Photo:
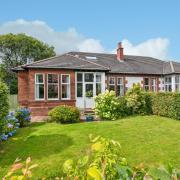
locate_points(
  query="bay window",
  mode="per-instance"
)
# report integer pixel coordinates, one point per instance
(52, 87)
(65, 86)
(39, 86)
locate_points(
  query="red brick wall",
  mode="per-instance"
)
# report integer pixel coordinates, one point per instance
(26, 92)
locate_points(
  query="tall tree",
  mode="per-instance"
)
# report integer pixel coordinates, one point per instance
(18, 49)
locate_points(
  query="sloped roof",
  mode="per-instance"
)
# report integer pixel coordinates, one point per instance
(107, 62)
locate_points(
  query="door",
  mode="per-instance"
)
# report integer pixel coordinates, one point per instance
(88, 85)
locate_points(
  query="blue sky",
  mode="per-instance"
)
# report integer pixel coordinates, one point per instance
(105, 22)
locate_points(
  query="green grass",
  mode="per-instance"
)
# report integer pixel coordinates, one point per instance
(149, 139)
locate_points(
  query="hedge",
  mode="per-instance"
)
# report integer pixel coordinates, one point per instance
(4, 101)
(166, 104)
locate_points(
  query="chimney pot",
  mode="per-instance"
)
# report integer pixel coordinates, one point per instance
(120, 52)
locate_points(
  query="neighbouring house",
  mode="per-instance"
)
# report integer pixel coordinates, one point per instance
(74, 78)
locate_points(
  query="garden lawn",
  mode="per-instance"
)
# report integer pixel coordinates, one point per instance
(148, 139)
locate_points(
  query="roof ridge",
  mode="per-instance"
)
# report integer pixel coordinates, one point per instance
(88, 61)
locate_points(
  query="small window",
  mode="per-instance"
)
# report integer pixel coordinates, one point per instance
(168, 84)
(39, 86)
(120, 87)
(65, 86)
(177, 83)
(153, 84)
(146, 84)
(53, 87)
(89, 77)
(112, 84)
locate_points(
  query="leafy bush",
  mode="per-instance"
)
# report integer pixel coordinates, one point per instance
(138, 100)
(4, 101)
(23, 116)
(9, 125)
(65, 114)
(103, 160)
(166, 104)
(110, 107)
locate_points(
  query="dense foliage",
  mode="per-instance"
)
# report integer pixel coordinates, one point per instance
(4, 101)
(18, 49)
(138, 100)
(110, 107)
(23, 115)
(65, 114)
(8, 127)
(166, 104)
(103, 160)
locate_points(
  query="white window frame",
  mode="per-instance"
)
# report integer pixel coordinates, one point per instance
(37, 83)
(177, 83)
(96, 82)
(112, 84)
(153, 86)
(66, 84)
(53, 84)
(120, 85)
(167, 83)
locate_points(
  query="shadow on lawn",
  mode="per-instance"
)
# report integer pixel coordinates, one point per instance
(35, 146)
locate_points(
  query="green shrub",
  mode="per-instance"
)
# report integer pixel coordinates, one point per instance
(23, 115)
(166, 104)
(138, 100)
(4, 101)
(65, 114)
(110, 107)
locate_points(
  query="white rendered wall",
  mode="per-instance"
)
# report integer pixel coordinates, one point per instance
(133, 80)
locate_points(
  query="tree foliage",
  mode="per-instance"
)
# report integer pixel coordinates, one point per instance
(18, 49)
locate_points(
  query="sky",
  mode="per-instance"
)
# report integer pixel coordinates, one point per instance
(145, 27)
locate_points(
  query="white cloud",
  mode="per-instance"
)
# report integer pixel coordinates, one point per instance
(62, 41)
(157, 48)
(71, 40)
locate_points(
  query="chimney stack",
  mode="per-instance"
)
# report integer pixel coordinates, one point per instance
(120, 53)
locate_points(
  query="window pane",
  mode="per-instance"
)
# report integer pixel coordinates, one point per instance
(98, 78)
(39, 78)
(112, 80)
(39, 91)
(111, 88)
(120, 81)
(52, 91)
(177, 87)
(98, 88)
(146, 81)
(177, 79)
(65, 91)
(89, 77)
(79, 89)
(89, 90)
(120, 90)
(65, 78)
(52, 78)
(79, 77)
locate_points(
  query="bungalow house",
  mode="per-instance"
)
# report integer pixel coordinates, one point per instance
(74, 78)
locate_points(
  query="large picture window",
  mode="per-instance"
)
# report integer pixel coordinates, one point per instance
(168, 84)
(39, 86)
(53, 87)
(65, 86)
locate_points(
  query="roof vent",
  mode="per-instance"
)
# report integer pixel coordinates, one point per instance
(91, 57)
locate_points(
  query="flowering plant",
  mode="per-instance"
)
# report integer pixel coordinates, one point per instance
(23, 115)
(8, 126)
